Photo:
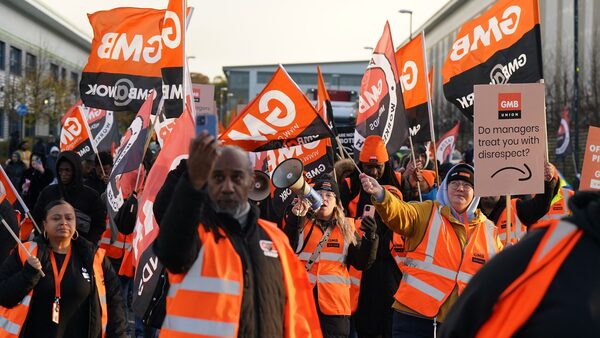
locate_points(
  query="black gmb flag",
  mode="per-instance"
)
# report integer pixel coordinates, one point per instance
(501, 46)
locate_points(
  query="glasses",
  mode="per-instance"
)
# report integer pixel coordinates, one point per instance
(327, 194)
(456, 184)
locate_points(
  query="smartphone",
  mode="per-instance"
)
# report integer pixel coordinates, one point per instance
(208, 123)
(368, 211)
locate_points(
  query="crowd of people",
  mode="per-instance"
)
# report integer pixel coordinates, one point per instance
(400, 247)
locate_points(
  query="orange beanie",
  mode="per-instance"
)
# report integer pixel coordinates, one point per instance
(373, 150)
(429, 177)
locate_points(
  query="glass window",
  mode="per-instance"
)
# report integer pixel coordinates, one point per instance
(30, 63)
(264, 77)
(350, 80)
(16, 61)
(54, 71)
(2, 55)
(304, 78)
(63, 74)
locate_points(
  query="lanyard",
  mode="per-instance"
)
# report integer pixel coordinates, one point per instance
(59, 276)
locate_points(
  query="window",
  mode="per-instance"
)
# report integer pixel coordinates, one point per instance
(2, 55)
(30, 63)
(63, 74)
(16, 62)
(74, 78)
(54, 71)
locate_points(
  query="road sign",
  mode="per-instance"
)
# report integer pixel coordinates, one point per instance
(590, 172)
(22, 110)
(510, 139)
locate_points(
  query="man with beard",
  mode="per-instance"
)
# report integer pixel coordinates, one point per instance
(231, 273)
(524, 212)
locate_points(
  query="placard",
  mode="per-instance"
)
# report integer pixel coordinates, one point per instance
(590, 172)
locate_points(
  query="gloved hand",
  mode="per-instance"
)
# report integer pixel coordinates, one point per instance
(368, 227)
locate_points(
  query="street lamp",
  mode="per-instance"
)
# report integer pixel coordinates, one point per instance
(222, 92)
(407, 11)
(368, 48)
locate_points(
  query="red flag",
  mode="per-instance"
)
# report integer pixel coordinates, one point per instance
(380, 104)
(176, 147)
(75, 133)
(130, 155)
(11, 193)
(173, 57)
(124, 63)
(104, 128)
(445, 145)
(563, 135)
(281, 115)
(323, 99)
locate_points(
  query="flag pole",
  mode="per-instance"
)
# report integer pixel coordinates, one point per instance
(23, 205)
(18, 240)
(430, 109)
(412, 151)
(508, 218)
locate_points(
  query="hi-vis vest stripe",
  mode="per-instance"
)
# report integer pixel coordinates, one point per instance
(528, 290)
(12, 320)
(438, 264)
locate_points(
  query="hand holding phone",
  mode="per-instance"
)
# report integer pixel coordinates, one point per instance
(368, 211)
(208, 123)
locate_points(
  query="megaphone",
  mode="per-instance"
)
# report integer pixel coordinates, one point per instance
(260, 190)
(289, 174)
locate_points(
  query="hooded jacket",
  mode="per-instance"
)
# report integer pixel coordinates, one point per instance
(81, 197)
(412, 219)
(570, 307)
(37, 181)
(16, 281)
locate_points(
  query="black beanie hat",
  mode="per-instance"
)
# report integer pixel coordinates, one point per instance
(463, 172)
(327, 183)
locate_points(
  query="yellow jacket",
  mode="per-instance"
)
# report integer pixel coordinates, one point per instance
(411, 220)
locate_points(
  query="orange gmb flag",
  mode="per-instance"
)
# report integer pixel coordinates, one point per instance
(173, 56)
(9, 190)
(281, 115)
(75, 133)
(124, 63)
(411, 65)
(380, 104)
(323, 101)
(502, 45)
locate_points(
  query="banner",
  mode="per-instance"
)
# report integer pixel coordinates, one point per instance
(173, 57)
(509, 139)
(447, 144)
(280, 116)
(104, 128)
(11, 193)
(323, 101)
(410, 61)
(75, 133)
(316, 156)
(563, 135)
(590, 171)
(122, 180)
(380, 104)
(501, 46)
(124, 63)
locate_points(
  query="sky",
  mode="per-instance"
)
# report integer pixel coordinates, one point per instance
(254, 32)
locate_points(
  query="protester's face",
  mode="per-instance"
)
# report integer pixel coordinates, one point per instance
(65, 172)
(460, 194)
(107, 169)
(25, 146)
(326, 209)
(489, 202)
(60, 222)
(374, 170)
(54, 154)
(14, 157)
(230, 181)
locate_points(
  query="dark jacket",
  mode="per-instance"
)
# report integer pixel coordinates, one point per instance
(37, 182)
(7, 242)
(96, 183)
(531, 210)
(15, 171)
(17, 280)
(82, 198)
(570, 307)
(178, 244)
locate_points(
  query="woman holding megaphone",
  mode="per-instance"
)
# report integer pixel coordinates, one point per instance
(327, 243)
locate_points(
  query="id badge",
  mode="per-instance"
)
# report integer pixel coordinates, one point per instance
(56, 312)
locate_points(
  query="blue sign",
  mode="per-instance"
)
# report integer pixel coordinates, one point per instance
(22, 110)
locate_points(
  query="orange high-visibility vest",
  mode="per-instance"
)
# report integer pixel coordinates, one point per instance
(517, 228)
(518, 302)
(329, 272)
(206, 300)
(355, 277)
(119, 247)
(12, 320)
(26, 229)
(560, 208)
(352, 212)
(438, 263)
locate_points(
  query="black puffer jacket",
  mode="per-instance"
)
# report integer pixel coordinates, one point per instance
(571, 305)
(81, 197)
(16, 281)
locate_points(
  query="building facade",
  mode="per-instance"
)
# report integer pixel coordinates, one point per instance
(41, 58)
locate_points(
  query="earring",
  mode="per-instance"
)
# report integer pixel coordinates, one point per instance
(75, 235)
(45, 234)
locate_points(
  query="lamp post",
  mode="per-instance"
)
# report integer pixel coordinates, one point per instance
(222, 92)
(407, 11)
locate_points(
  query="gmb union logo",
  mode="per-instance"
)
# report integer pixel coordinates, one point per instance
(122, 92)
(509, 106)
